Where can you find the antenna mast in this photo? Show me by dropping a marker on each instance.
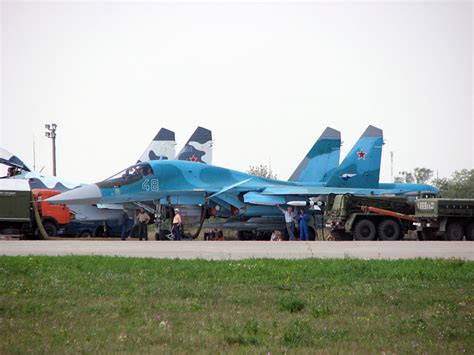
(391, 166)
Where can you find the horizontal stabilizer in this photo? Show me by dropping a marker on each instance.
(322, 190)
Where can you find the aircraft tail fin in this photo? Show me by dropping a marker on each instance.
(322, 159)
(11, 160)
(198, 148)
(161, 147)
(361, 167)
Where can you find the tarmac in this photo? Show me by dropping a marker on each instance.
(236, 250)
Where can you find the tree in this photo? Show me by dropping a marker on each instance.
(422, 175)
(399, 179)
(262, 171)
(461, 184)
(419, 175)
(441, 184)
(406, 177)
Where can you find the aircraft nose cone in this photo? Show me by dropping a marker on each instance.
(84, 195)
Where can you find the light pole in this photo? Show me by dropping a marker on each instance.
(51, 133)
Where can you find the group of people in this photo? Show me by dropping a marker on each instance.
(143, 219)
(290, 219)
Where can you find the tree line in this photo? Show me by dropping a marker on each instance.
(459, 185)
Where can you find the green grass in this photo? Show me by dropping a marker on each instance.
(102, 304)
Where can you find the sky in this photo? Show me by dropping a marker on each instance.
(266, 78)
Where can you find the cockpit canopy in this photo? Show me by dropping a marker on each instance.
(127, 176)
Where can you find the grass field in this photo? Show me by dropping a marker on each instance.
(102, 304)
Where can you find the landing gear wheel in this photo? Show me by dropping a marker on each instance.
(429, 234)
(99, 232)
(85, 234)
(470, 231)
(364, 230)
(50, 228)
(454, 231)
(389, 229)
(245, 235)
(165, 234)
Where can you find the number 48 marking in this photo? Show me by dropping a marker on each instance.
(151, 185)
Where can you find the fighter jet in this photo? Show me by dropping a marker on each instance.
(224, 191)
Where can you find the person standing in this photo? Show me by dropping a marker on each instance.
(124, 219)
(289, 221)
(143, 218)
(303, 223)
(177, 222)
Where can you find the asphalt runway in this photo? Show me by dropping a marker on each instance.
(235, 250)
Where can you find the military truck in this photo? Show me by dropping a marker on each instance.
(16, 212)
(443, 218)
(354, 217)
(15, 207)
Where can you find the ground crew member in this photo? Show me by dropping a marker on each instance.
(289, 221)
(143, 218)
(303, 223)
(177, 221)
(124, 219)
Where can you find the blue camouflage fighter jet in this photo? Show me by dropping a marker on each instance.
(228, 192)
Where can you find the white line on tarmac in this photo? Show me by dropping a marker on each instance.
(235, 250)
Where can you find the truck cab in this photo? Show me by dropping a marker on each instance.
(445, 218)
(54, 217)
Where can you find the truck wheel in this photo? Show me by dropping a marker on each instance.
(454, 231)
(470, 231)
(364, 230)
(50, 228)
(429, 234)
(340, 235)
(389, 229)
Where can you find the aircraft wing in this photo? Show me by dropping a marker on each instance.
(322, 190)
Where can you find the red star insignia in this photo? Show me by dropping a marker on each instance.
(361, 154)
(193, 158)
